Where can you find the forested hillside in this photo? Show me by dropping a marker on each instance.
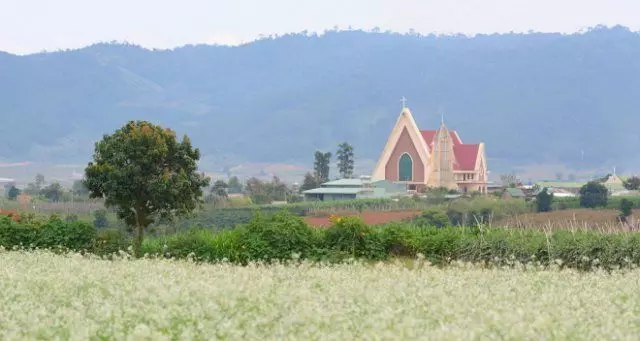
(532, 98)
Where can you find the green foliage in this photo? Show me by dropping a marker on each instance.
(13, 193)
(309, 182)
(345, 160)
(352, 237)
(432, 217)
(52, 192)
(71, 218)
(544, 199)
(235, 186)
(593, 195)
(79, 188)
(220, 189)
(52, 234)
(321, 166)
(146, 174)
(276, 237)
(626, 209)
(74, 235)
(262, 193)
(283, 236)
(109, 241)
(100, 219)
(632, 183)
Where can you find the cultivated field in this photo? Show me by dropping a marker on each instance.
(72, 298)
(369, 217)
(567, 219)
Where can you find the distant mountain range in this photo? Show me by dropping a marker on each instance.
(532, 98)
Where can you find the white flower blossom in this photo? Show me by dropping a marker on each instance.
(66, 297)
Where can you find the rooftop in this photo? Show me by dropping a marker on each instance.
(334, 190)
(344, 182)
(515, 192)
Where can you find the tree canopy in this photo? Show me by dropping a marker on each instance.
(145, 173)
(345, 157)
(593, 195)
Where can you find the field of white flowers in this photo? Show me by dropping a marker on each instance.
(47, 297)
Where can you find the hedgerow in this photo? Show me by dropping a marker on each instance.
(284, 236)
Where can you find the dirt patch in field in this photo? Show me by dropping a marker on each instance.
(577, 219)
(369, 217)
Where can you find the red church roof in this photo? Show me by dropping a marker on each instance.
(466, 154)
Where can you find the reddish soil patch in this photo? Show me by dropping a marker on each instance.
(369, 217)
(10, 213)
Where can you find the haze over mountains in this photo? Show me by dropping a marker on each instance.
(532, 98)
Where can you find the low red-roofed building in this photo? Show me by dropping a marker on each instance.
(431, 158)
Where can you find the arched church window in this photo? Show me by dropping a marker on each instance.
(405, 168)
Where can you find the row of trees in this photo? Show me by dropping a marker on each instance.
(260, 192)
(53, 192)
(322, 168)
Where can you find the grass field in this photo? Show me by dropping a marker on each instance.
(43, 296)
(605, 219)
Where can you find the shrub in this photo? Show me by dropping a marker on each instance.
(593, 195)
(431, 217)
(544, 200)
(351, 236)
(626, 209)
(278, 236)
(199, 243)
(100, 219)
(14, 234)
(77, 236)
(109, 241)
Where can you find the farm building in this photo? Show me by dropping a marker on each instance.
(351, 189)
(513, 193)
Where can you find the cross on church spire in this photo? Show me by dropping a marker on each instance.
(404, 102)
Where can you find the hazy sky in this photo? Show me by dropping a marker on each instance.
(28, 26)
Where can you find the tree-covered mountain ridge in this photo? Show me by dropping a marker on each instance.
(539, 98)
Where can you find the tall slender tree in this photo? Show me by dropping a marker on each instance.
(321, 166)
(345, 160)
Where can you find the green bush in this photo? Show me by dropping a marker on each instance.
(431, 217)
(74, 235)
(109, 241)
(200, 244)
(100, 219)
(351, 236)
(54, 233)
(13, 234)
(277, 236)
(626, 209)
(593, 195)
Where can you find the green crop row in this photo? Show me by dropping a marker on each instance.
(285, 236)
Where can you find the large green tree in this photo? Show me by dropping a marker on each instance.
(146, 174)
(345, 160)
(593, 194)
(321, 166)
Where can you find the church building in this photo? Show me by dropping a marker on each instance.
(431, 158)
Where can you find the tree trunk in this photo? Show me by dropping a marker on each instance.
(137, 244)
(140, 225)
